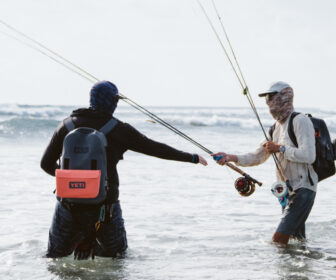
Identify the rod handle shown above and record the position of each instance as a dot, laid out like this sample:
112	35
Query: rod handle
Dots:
217	158
235	168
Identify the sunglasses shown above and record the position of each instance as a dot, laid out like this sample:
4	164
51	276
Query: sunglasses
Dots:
269	96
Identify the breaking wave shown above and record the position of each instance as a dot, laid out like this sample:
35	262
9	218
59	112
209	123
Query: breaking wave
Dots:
41	120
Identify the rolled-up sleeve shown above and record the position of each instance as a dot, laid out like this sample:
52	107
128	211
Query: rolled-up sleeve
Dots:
257	157
304	132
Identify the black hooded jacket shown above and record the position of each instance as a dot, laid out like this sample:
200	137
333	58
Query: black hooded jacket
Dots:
123	137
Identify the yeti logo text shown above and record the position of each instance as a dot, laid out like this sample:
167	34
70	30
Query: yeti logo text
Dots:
77	185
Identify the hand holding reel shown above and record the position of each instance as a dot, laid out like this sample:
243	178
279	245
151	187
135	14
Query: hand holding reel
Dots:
244	185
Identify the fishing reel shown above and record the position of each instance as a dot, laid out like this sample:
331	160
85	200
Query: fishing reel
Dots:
279	189
244	186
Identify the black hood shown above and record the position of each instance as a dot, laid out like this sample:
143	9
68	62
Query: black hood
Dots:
91	113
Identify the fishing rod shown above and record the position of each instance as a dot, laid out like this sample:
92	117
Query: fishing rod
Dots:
241	78
92	79
247	182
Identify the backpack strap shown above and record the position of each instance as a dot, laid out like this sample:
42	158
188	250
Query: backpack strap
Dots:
108	126
292	137
271	130
69	124
291	133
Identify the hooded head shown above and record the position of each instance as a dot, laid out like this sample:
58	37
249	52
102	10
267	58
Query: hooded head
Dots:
104	96
279	99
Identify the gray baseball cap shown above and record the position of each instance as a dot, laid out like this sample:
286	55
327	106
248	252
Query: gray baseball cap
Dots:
275	88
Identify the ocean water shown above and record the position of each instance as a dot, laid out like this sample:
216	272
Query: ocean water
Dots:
183	221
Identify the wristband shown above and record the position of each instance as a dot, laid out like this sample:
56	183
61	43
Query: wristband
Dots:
195	158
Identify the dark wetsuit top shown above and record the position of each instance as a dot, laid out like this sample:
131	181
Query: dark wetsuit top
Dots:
123	137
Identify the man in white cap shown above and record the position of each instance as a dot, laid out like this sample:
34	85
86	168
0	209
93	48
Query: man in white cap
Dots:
295	161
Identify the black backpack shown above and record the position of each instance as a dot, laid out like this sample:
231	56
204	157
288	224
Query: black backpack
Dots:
82	177
324	164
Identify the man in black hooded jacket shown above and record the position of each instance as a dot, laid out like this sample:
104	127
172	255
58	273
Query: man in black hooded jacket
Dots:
72	225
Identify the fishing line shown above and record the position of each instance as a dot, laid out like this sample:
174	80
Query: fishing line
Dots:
83	73
92	78
239	76
46	54
228	40
164	123
220	42
46	48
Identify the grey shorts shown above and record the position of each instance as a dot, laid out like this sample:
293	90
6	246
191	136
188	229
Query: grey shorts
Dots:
297	212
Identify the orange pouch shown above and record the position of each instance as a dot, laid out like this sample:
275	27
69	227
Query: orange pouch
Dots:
77	183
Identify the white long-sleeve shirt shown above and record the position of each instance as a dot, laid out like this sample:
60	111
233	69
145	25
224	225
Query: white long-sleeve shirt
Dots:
295	161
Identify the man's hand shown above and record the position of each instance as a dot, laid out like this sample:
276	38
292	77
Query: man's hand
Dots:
202	161
272	147
224	158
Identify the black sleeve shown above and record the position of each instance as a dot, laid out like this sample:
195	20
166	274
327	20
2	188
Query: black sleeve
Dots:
136	141
53	150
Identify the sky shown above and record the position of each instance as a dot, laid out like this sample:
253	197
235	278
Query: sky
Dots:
164	53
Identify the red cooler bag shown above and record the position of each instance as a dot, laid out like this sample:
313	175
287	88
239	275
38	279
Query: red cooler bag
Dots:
77	183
